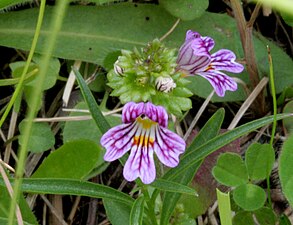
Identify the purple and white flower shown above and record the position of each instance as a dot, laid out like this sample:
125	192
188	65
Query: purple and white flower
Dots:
195	58
143	132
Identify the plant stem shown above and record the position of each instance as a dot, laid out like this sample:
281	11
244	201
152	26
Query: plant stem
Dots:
245	30
44	66
150	205
273	90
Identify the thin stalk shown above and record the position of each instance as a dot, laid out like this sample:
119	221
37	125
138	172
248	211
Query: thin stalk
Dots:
56	26
273	90
20	166
171	30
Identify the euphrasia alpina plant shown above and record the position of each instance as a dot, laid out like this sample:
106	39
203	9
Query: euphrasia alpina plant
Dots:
151	84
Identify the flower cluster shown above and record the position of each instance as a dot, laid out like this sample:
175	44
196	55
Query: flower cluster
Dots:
155	75
150	75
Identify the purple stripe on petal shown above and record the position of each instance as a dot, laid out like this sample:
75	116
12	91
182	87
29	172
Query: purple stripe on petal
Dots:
117	141
131	111
185	54
168	146
225	60
208	42
157	114
199	47
220	81
140	164
190	35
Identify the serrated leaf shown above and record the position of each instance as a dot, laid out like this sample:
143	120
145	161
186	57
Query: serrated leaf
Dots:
249	197
185	9
259	160
74	159
7	3
230	170
286	168
41	138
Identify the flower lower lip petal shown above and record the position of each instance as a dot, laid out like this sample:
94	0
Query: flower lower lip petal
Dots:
140	164
220	81
168	146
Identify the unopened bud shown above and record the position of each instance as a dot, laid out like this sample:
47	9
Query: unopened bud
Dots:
165	84
118	69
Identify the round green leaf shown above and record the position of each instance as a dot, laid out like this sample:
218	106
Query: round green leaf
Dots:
41	139
230	170
243	218
286	168
249	197
74	159
265	216
259	159
185	9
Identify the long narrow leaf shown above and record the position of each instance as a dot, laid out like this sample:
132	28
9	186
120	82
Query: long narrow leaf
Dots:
210	130
165	185
136	213
72	187
224	207
197	154
97	115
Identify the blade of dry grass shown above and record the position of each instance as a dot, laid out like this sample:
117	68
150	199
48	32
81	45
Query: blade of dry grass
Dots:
251	98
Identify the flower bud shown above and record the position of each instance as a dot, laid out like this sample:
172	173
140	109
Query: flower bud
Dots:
165	84
118	69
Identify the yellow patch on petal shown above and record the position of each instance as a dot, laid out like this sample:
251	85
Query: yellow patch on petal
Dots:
144	140
146	123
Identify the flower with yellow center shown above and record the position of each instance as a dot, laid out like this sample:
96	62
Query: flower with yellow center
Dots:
143	132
